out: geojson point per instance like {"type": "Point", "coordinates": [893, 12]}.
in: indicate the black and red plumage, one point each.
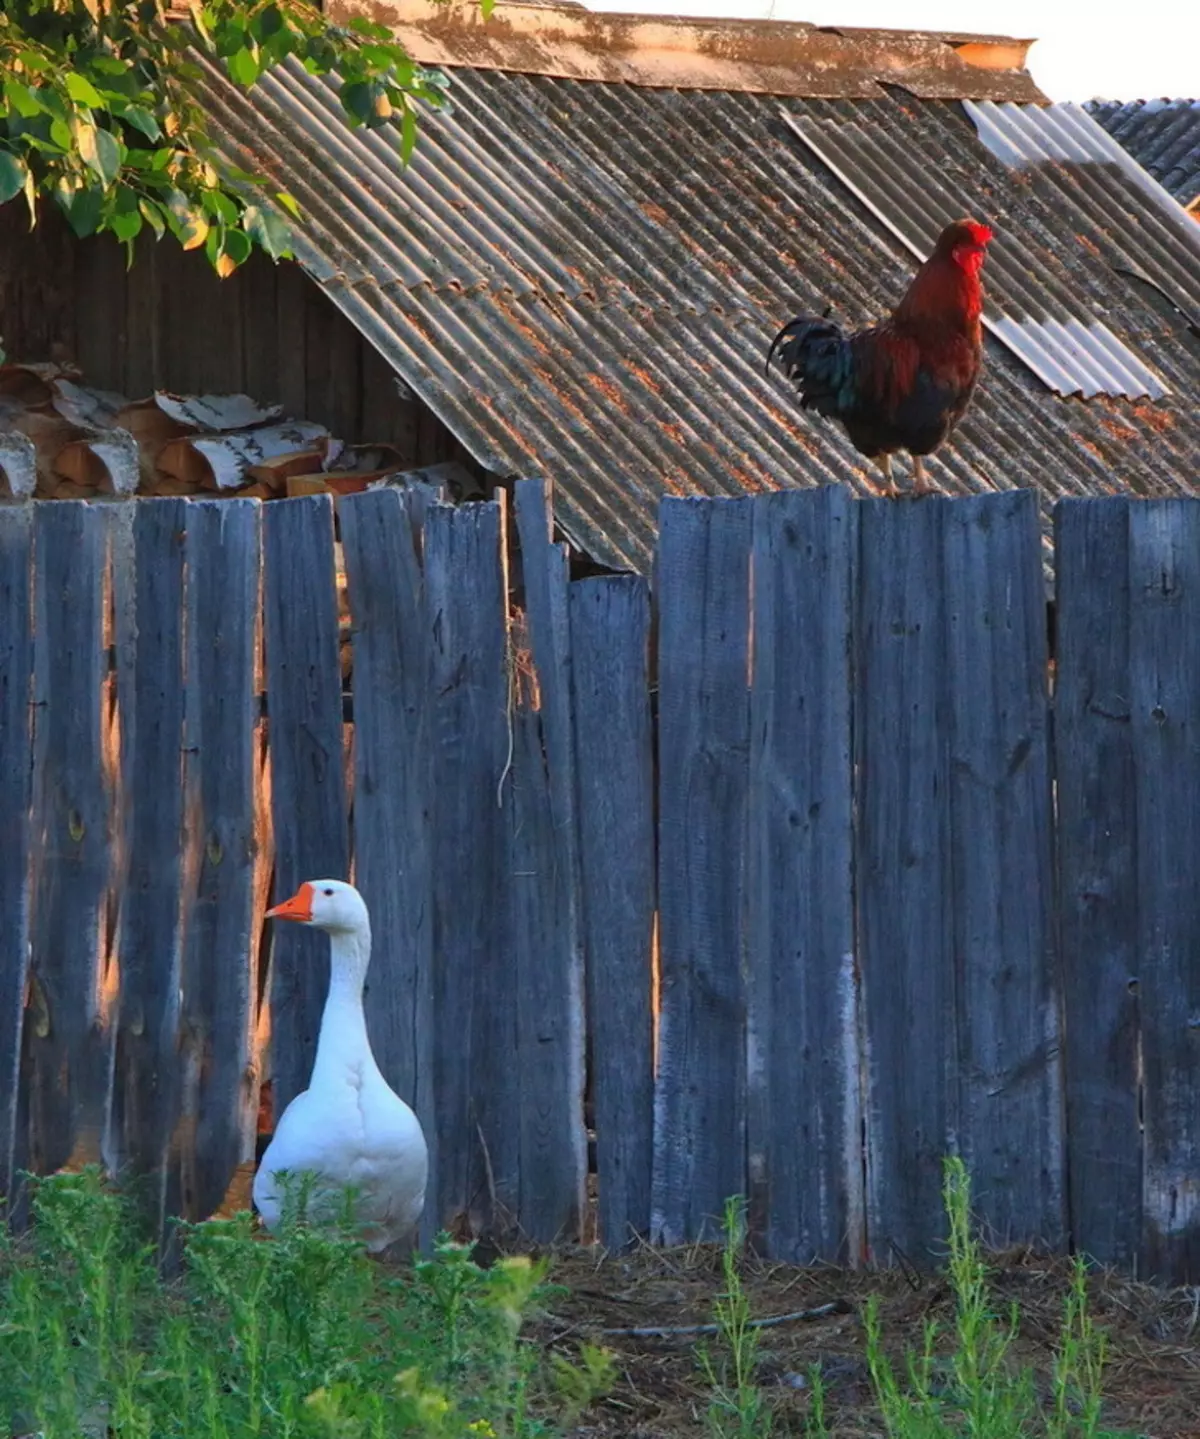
{"type": "Point", "coordinates": [905, 383]}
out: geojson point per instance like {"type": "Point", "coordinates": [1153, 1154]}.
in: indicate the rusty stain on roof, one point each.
{"type": "Point", "coordinates": [769, 57]}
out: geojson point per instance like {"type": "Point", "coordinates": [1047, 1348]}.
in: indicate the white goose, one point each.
{"type": "Point", "coordinates": [348, 1126]}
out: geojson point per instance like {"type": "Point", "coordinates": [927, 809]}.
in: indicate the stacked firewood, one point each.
{"type": "Point", "coordinates": [61, 439]}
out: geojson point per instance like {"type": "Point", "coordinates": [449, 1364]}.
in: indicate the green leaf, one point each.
{"type": "Point", "coordinates": [82, 208]}
{"type": "Point", "coordinates": [60, 134]}
{"type": "Point", "coordinates": [358, 102]}
{"type": "Point", "coordinates": [100, 152]}
{"type": "Point", "coordinates": [142, 120]}
{"type": "Point", "coordinates": [290, 204]}
{"type": "Point", "coordinates": [408, 133]}
{"type": "Point", "coordinates": [243, 67]}
{"type": "Point", "coordinates": [220, 207]}
{"type": "Point", "coordinates": [23, 99]}
{"type": "Point", "coordinates": [82, 91]}
{"type": "Point", "coordinates": [266, 23]}
{"type": "Point", "coordinates": [237, 245]}
{"type": "Point", "coordinates": [188, 226]}
{"type": "Point", "coordinates": [153, 216]}
{"type": "Point", "coordinates": [13, 174]}
{"type": "Point", "coordinates": [126, 226]}
{"type": "Point", "coordinates": [268, 230]}
{"type": "Point", "coordinates": [34, 63]}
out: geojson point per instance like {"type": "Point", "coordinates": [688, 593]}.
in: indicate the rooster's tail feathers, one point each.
{"type": "Point", "coordinates": [816, 357]}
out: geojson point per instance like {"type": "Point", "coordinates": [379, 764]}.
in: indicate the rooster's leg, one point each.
{"type": "Point", "coordinates": [921, 483]}
{"type": "Point", "coordinates": [884, 462]}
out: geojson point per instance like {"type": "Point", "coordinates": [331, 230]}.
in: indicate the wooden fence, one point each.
{"type": "Point", "coordinates": [804, 858]}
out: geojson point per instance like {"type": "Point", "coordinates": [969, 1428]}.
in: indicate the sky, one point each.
{"type": "Point", "coordinates": [1099, 49]}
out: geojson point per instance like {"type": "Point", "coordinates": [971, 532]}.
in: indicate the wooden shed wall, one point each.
{"type": "Point", "coordinates": [170, 323]}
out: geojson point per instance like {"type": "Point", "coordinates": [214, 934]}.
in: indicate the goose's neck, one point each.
{"type": "Point", "coordinates": [343, 1038]}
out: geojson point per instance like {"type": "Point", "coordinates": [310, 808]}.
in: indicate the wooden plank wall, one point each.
{"type": "Point", "coordinates": [879, 940]}
{"type": "Point", "coordinates": [170, 323]}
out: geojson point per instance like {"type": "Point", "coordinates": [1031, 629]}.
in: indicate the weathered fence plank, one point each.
{"type": "Point", "coordinates": [700, 1118]}
{"type": "Point", "coordinates": [308, 795]}
{"type": "Point", "coordinates": [476, 1084]}
{"type": "Point", "coordinates": [802, 1011]}
{"type": "Point", "coordinates": [16, 695]}
{"type": "Point", "coordinates": [151, 684]}
{"type": "Point", "coordinates": [543, 879]}
{"type": "Point", "coordinates": [68, 1032]}
{"type": "Point", "coordinates": [1001, 869]}
{"type": "Point", "coordinates": [393, 786]}
{"type": "Point", "coordinates": [1097, 876]}
{"type": "Point", "coordinates": [220, 951]}
{"type": "Point", "coordinates": [614, 758]}
{"type": "Point", "coordinates": [1164, 592]}
{"type": "Point", "coordinates": [902, 874]}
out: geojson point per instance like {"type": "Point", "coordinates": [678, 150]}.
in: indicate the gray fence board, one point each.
{"type": "Point", "coordinates": [220, 952]}
{"type": "Point", "coordinates": [308, 795]}
{"type": "Point", "coordinates": [904, 936]}
{"type": "Point", "coordinates": [476, 1084]}
{"type": "Point", "coordinates": [802, 1012]}
{"type": "Point", "coordinates": [1001, 875]}
{"type": "Point", "coordinates": [16, 695]}
{"type": "Point", "coordinates": [1164, 589]}
{"type": "Point", "coordinates": [1097, 877]}
{"type": "Point", "coordinates": [703, 599]}
{"type": "Point", "coordinates": [67, 1046]}
{"type": "Point", "coordinates": [393, 794]}
{"type": "Point", "coordinates": [614, 759]}
{"type": "Point", "coordinates": [151, 682]}
{"type": "Point", "coordinates": [544, 880]}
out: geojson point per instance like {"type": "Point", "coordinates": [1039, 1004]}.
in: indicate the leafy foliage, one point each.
{"type": "Point", "coordinates": [301, 1335]}
{"type": "Point", "coordinates": [99, 112]}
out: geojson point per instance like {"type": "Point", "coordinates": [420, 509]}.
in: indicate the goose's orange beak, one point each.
{"type": "Point", "coordinates": [299, 907]}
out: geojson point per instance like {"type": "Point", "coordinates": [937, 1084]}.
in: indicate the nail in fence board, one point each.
{"type": "Point", "coordinates": [151, 682]}
{"type": "Point", "coordinates": [16, 694]}
{"type": "Point", "coordinates": [308, 795]}
{"type": "Point", "coordinates": [703, 599]}
{"type": "Point", "coordinates": [902, 873]}
{"type": "Point", "coordinates": [220, 964]}
{"type": "Point", "coordinates": [1009, 1036]}
{"type": "Point", "coordinates": [1097, 876]}
{"type": "Point", "coordinates": [393, 793]}
{"type": "Point", "coordinates": [802, 1019]}
{"type": "Point", "coordinates": [610, 633]}
{"type": "Point", "coordinates": [543, 878]}
{"type": "Point", "coordinates": [476, 1087]}
{"type": "Point", "coordinates": [67, 1036]}
{"type": "Point", "coordinates": [1164, 592]}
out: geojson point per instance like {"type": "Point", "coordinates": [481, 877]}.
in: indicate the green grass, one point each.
{"type": "Point", "coordinates": [963, 1384]}
{"type": "Point", "coordinates": [303, 1335]}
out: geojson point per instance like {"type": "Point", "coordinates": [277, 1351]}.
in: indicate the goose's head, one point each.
{"type": "Point", "coordinates": [328, 904]}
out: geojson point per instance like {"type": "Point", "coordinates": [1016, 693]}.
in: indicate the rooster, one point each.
{"type": "Point", "coordinates": [903, 384]}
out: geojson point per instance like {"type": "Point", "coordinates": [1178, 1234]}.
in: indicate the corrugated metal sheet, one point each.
{"type": "Point", "coordinates": [910, 190]}
{"type": "Point", "coordinates": [581, 280]}
{"type": "Point", "coordinates": [1163, 136]}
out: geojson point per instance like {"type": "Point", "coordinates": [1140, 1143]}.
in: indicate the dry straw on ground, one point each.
{"type": "Point", "coordinates": [1152, 1381]}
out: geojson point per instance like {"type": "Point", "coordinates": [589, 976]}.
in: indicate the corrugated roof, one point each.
{"type": "Point", "coordinates": [1161, 135]}
{"type": "Point", "coordinates": [581, 279]}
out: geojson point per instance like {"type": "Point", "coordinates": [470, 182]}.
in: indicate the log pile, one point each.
{"type": "Point", "coordinates": [61, 439]}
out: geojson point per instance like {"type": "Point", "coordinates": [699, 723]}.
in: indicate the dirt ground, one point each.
{"type": "Point", "coordinates": [1152, 1385]}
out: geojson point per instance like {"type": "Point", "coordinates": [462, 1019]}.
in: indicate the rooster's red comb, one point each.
{"type": "Point", "coordinates": [981, 234]}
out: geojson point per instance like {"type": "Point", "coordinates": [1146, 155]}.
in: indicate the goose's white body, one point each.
{"type": "Point", "coordinates": [349, 1128]}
